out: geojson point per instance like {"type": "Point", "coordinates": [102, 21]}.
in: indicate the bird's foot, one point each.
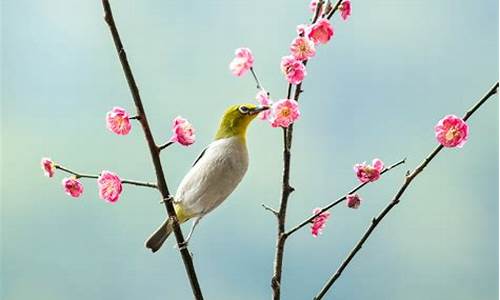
{"type": "Point", "coordinates": [181, 246]}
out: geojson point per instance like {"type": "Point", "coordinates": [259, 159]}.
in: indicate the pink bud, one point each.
{"type": "Point", "coordinates": [353, 201]}
{"type": "Point", "coordinates": [263, 99]}
{"type": "Point", "coordinates": [72, 187]}
{"type": "Point", "coordinates": [321, 31]}
{"type": "Point", "coordinates": [183, 132]}
{"type": "Point", "coordinates": [345, 9]}
{"type": "Point", "coordinates": [294, 69]}
{"type": "Point", "coordinates": [319, 222]}
{"type": "Point", "coordinates": [369, 173]}
{"type": "Point", "coordinates": [242, 61]}
{"type": "Point", "coordinates": [284, 112]}
{"type": "Point", "coordinates": [48, 167]}
{"type": "Point", "coordinates": [110, 186]}
{"type": "Point", "coordinates": [118, 121]}
{"type": "Point", "coordinates": [302, 48]}
{"type": "Point", "coordinates": [451, 131]}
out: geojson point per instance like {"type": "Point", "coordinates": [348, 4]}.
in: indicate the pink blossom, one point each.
{"type": "Point", "coordinates": [242, 61]}
{"type": "Point", "coordinates": [183, 132]}
{"type": "Point", "coordinates": [353, 201]}
{"type": "Point", "coordinates": [321, 31]}
{"type": "Point", "coordinates": [302, 48]}
{"type": "Point", "coordinates": [319, 222]}
{"type": "Point", "coordinates": [294, 69]}
{"type": "Point", "coordinates": [110, 186]}
{"type": "Point", "coordinates": [73, 187]}
{"type": "Point", "coordinates": [284, 112]}
{"type": "Point", "coordinates": [451, 131]}
{"type": "Point", "coordinates": [302, 30]}
{"type": "Point", "coordinates": [48, 167]}
{"type": "Point", "coordinates": [263, 99]}
{"type": "Point", "coordinates": [345, 9]}
{"type": "Point", "coordinates": [369, 173]}
{"type": "Point", "coordinates": [118, 121]}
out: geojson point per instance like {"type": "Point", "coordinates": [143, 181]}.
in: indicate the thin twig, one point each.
{"type": "Point", "coordinates": [408, 179]}
{"type": "Point", "coordinates": [334, 9]}
{"type": "Point", "coordinates": [341, 199]}
{"type": "Point", "coordinates": [259, 85]}
{"type": "Point", "coordinates": [155, 154]}
{"type": "Point", "coordinates": [269, 208]}
{"type": "Point", "coordinates": [161, 147]}
{"type": "Point", "coordinates": [92, 176]}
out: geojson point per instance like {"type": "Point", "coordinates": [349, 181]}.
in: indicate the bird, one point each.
{"type": "Point", "coordinates": [214, 175]}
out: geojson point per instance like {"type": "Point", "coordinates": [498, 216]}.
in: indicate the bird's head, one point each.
{"type": "Point", "coordinates": [236, 119]}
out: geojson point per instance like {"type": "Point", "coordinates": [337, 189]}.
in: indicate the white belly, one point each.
{"type": "Point", "coordinates": [214, 177]}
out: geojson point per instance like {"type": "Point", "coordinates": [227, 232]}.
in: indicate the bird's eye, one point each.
{"type": "Point", "coordinates": [243, 109]}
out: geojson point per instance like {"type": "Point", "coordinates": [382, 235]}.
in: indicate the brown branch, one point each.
{"type": "Point", "coordinates": [286, 188]}
{"type": "Point", "coordinates": [155, 153]}
{"type": "Point", "coordinates": [124, 181]}
{"type": "Point", "coordinates": [340, 200]}
{"type": "Point", "coordinates": [163, 146]}
{"type": "Point", "coordinates": [408, 179]}
{"type": "Point", "coordinates": [334, 9]}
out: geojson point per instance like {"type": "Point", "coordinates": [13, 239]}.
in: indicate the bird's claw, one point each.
{"type": "Point", "coordinates": [181, 246]}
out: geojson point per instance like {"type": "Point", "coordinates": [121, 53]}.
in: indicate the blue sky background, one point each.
{"type": "Point", "coordinates": [390, 73]}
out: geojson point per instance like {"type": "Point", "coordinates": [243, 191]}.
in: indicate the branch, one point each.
{"type": "Point", "coordinates": [408, 179]}
{"type": "Point", "coordinates": [155, 154]}
{"type": "Point", "coordinates": [286, 188]}
{"type": "Point", "coordinates": [334, 9]}
{"type": "Point", "coordinates": [161, 147]}
{"type": "Point", "coordinates": [269, 208]}
{"type": "Point", "coordinates": [331, 205]}
{"type": "Point", "coordinates": [124, 181]}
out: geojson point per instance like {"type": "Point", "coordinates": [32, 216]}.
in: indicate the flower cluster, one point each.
{"type": "Point", "coordinates": [242, 61]}
{"type": "Point", "coordinates": [282, 113]}
{"type": "Point", "coordinates": [183, 132]}
{"type": "Point", "coordinates": [118, 121]}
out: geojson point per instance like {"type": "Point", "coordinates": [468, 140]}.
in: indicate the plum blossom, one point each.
{"type": "Point", "coordinates": [262, 98]}
{"type": "Point", "coordinates": [110, 186]}
{"type": "Point", "coordinates": [72, 186]}
{"type": "Point", "coordinates": [451, 131]}
{"type": "Point", "coordinates": [183, 132]}
{"type": "Point", "coordinates": [345, 9]}
{"type": "Point", "coordinates": [321, 31]}
{"type": "Point", "coordinates": [284, 112]}
{"type": "Point", "coordinates": [48, 167]}
{"type": "Point", "coordinates": [369, 173]}
{"type": "Point", "coordinates": [302, 30]}
{"type": "Point", "coordinates": [312, 5]}
{"type": "Point", "coordinates": [353, 201]}
{"type": "Point", "coordinates": [242, 61]}
{"type": "Point", "coordinates": [319, 222]}
{"type": "Point", "coordinates": [302, 48]}
{"type": "Point", "coordinates": [294, 69]}
{"type": "Point", "coordinates": [118, 121]}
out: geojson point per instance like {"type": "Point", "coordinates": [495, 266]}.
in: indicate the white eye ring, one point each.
{"type": "Point", "coordinates": [243, 109]}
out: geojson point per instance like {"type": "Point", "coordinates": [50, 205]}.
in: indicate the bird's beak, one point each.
{"type": "Point", "coordinates": [259, 109]}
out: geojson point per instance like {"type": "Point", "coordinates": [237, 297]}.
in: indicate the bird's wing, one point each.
{"type": "Point", "coordinates": [199, 156]}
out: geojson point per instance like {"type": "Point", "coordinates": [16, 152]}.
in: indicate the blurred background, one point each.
{"type": "Point", "coordinates": [376, 90]}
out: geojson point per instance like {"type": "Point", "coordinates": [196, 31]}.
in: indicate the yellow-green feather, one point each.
{"type": "Point", "coordinates": [233, 123]}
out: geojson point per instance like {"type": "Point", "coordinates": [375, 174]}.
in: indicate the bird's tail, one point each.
{"type": "Point", "coordinates": [158, 237]}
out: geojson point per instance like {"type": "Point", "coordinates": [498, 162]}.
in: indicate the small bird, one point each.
{"type": "Point", "coordinates": [214, 175]}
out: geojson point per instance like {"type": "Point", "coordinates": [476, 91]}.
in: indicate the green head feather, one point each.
{"type": "Point", "coordinates": [236, 119]}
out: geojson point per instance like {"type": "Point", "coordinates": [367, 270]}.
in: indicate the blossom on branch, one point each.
{"type": "Point", "coordinates": [110, 186]}
{"type": "Point", "coordinates": [302, 48]}
{"type": "Point", "coordinates": [284, 112]}
{"type": "Point", "coordinates": [353, 201]}
{"type": "Point", "coordinates": [183, 132]}
{"type": "Point", "coordinates": [48, 167]}
{"type": "Point", "coordinates": [294, 69]}
{"type": "Point", "coordinates": [118, 121]}
{"type": "Point", "coordinates": [242, 61]}
{"type": "Point", "coordinates": [451, 131]}
{"type": "Point", "coordinates": [321, 31]}
{"type": "Point", "coordinates": [262, 98]}
{"type": "Point", "coordinates": [73, 187]}
{"type": "Point", "coordinates": [369, 173]}
{"type": "Point", "coordinates": [345, 9]}
{"type": "Point", "coordinates": [319, 223]}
